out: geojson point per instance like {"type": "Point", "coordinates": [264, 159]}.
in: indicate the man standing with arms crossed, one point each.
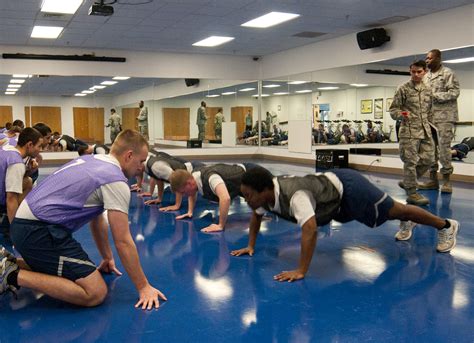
{"type": "Point", "coordinates": [445, 91]}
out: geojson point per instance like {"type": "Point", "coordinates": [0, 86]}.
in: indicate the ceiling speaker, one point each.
{"type": "Point", "coordinates": [372, 38]}
{"type": "Point", "coordinates": [191, 82]}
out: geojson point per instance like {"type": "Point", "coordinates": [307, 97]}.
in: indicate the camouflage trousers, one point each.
{"type": "Point", "coordinates": [417, 156]}
{"type": "Point", "coordinates": [113, 135]}
{"type": "Point", "coordinates": [202, 131]}
{"type": "Point", "coordinates": [443, 143]}
{"type": "Point", "coordinates": [143, 130]}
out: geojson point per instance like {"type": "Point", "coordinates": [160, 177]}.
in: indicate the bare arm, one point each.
{"type": "Point", "coordinates": [13, 201]}
{"type": "Point", "coordinates": [254, 228]}
{"type": "Point", "coordinates": [129, 256]}
{"type": "Point", "coordinates": [308, 244]}
{"type": "Point", "coordinates": [224, 204]}
{"type": "Point", "coordinates": [191, 204]}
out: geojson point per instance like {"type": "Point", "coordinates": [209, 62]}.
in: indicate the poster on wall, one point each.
{"type": "Point", "coordinates": [378, 109]}
{"type": "Point", "coordinates": [366, 106]}
{"type": "Point", "coordinates": [315, 114]}
{"type": "Point", "coordinates": [388, 104]}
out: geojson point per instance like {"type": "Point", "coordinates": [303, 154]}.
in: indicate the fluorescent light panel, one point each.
{"type": "Point", "coordinates": [359, 84]}
{"type": "Point", "coordinates": [281, 93]}
{"type": "Point", "coordinates": [61, 6]}
{"type": "Point", "coordinates": [12, 89]}
{"type": "Point", "coordinates": [21, 76]}
{"type": "Point", "coordinates": [263, 95]}
{"type": "Point", "coordinates": [271, 86]}
{"type": "Point", "coordinates": [10, 93]}
{"type": "Point", "coordinates": [80, 94]}
{"type": "Point", "coordinates": [108, 83]}
{"type": "Point", "coordinates": [14, 86]}
{"type": "Point", "coordinates": [228, 93]}
{"type": "Point", "coordinates": [17, 81]}
{"type": "Point", "coordinates": [88, 92]}
{"type": "Point", "coordinates": [460, 60]}
{"type": "Point", "coordinates": [121, 78]}
{"type": "Point", "coordinates": [246, 89]}
{"type": "Point", "coordinates": [48, 32]}
{"type": "Point", "coordinates": [213, 41]}
{"type": "Point", "coordinates": [270, 19]}
{"type": "Point", "coordinates": [297, 82]}
{"type": "Point", "coordinates": [212, 95]}
{"type": "Point", "coordinates": [330, 88]}
{"type": "Point", "coordinates": [304, 91]}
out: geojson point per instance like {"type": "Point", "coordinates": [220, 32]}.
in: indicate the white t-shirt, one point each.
{"type": "Point", "coordinates": [15, 174]}
{"type": "Point", "coordinates": [113, 196]}
{"type": "Point", "coordinates": [214, 180]}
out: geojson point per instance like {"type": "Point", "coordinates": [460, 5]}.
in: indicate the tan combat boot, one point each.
{"type": "Point", "coordinates": [446, 187]}
{"type": "Point", "coordinates": [432, 184]}
{"type": "Point", "coordinates": [415, 198]}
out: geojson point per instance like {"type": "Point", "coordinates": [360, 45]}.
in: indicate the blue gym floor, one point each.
{"type": "Point", "coordinates": [362, 285]}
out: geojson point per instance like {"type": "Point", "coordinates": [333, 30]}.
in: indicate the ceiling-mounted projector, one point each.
{"type": "Point", "coordinates": [99, 8]}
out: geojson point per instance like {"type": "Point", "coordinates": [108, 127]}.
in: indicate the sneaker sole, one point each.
{"type": "Point", "coordinates": [454, 240]}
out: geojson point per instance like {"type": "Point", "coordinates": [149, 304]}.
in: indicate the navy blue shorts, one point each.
{"type": "Point", "coordinates": [361, 200]}
{"type": "Point", "coordinates": [50, 249]}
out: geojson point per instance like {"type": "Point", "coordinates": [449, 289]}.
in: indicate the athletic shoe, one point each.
{"type": "Point", "coordinates": [6, 268]}
{"type": "Point", "coordinates": [447, 237]}
{"type": "Point", "coordinates": [5, 253]}
{"type": "Point", "coordinates": [406, 230]}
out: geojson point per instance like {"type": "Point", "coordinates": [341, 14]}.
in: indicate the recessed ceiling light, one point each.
{"type": "Point", "coordinates": [263, 95]}
{"type": "Point", "coordinates": [80, 94]}
{"type": "Point", "coordinates": [271, 86]}
{"type": "Point", "coordinates": [213, 41]}
{"type": "Point", "coordinates": [108, 83]}
{"type": "Point", "coordinates": [14, 86]}
{"type": "Point", "coordinates": [297, 82]}
{"type": "Point", "coordinates": [246, 89]}
{"type": "Point", "coordinates": [281, 93]}
{"type": "Point", "coordinates": [61, 6]}
{"type": "Point", "coordinates": [270, 19]}
{"type": "Point", "coordinates": [328, 88]}
{"type": "Point", "coordinates": [228, 93]}
{"type": "Point", "coordinates": [304, 91]}
{"type": "Point", "coordinates": [21, 76]}
{"type": "Point", "coordinates": [460, 60]}
{"type": "Point", "coordinates": [88, 92]}
{"type": "Point", "coordinates": [10, 93]}
{"type": "Point", "coordinates": [99, 87]}
{"type": "Point", "coordinates": [212, 95]}
{"type": "Point", "coordinates": [12, 89]}
{"type": "Point", "coordinates": [17, 81]}
{"type": "Point", "coordinates": [49, 32]}
{"type": "Point", "coordinates": [359, 84]}
{"type": "Point", "coordinates": [121, 78]}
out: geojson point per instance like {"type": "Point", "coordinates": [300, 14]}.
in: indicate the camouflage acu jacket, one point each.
{"type": "Point", "coordinates": [445, 91]}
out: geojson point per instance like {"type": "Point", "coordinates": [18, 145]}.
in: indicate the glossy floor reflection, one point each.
{"type": "Point", "coordinates": [362, 285]}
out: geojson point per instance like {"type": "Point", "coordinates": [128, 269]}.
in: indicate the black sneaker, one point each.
{"type": "Point", "coordinates": [6, 268]}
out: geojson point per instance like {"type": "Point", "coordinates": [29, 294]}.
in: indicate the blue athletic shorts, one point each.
{"type": "Point", "coordinates": [50, 249]}
{"type": "Point", "coordinates": [361, 200]}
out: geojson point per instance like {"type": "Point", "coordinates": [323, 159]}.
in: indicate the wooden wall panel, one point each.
{"type": "Point", "coordinates": [237, 114]}
{"type": "Point", "coordinates": [6, 115]}
{"type": "Point", "coordinates": [176, 123]}
{"type": "Point", "coordinates": [50, 115]}
{"type": "Point", "coordinates": [129, 118]}
{"type": "Point", "coordinates": [89, 124]}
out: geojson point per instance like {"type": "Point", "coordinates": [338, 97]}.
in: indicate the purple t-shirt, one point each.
{"type": "Point", "coordinates": [60, 198]}
{"type": "Point", "coordinates": [7, 158]}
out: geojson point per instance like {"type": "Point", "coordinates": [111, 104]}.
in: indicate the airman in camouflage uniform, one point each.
{"type": "Point", "coordinates": [445, 91]}
{"type": "Point", "coordinates": [218, 119]}
{"type": "Point", "coordinates": [114, 124]}
{"type": "Point", "coordinates": [412, 104]}
{"type": "Point", "coordinates": [143, 120]}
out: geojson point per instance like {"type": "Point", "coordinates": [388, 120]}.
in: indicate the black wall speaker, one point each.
{"type": "Point", "coordinates": [372, 38]}
{"type": "Point", "coordinates": [191, 82]}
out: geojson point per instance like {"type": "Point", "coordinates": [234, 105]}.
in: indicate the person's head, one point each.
{"type": "Point", "coordinates": [45, 131]}
{"type": "Point", "coordinates": [321, 126]}
{"type": "Point", "coordinates": [112, 111]}
{"type": "Point", "coordinates": [85, 150]}
{"type": "Point", "coordinates": [141, 104]}
{"type": "Point", "coordinates": [219, 110]}
{"type": "Point", "coordinates": [203, 103]}
{"type": "Point", "coordinates": [14, 130]}
{"type": "Point", "coordinates": [345, 127]}
{"type": "Point", "coordinates": [19, 123]}
{"type": "Point", "coordinates": [181, 181]}
{"type": "Point", "coordinates": [8, 125]}
{"type": "Point", "coordinates": [131, 150]}
{"type": "Point", "coordinates": [433, 59]}
{"type": "Point", "coordinates": [369, 124]}
{"type": "Point", "coordinates": [417, 70]}
{"type": "Point", "coordinates": [257, 187]}
{"type": "Point", "coordinates": [56, 135]}
{"type": "Point", "coordinates": [30, 140]}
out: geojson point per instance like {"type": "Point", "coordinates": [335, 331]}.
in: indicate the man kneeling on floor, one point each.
{"type": "Point", "coordinates": [343, 195]}
{"type": "Point", "coordinates": [53, 262]}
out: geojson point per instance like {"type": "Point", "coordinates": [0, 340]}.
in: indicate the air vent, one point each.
{"type": "Point", "coordinates": [309, 34]}
{"type": "Point", "coordinates": [53, 15]}
{"type": "Point", "coordinates": [388, 20]}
